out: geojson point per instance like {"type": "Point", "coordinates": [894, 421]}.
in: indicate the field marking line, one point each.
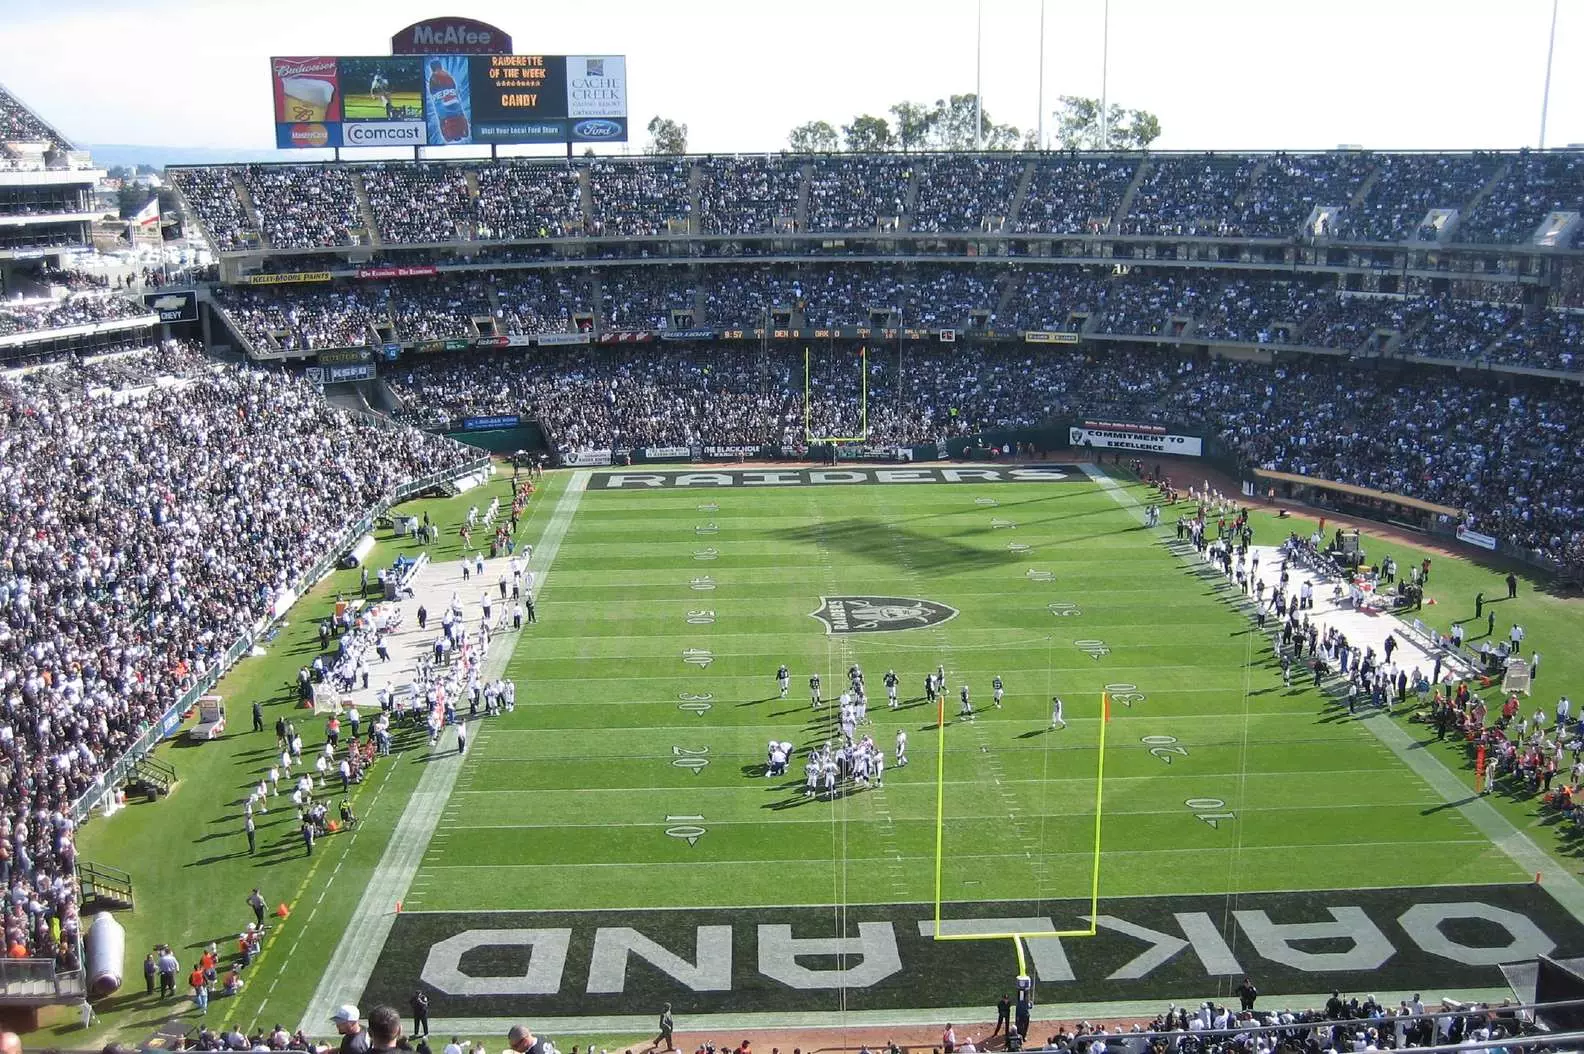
{"type": "Point", "coordinates": [885, 816]}
{"type": "Point", "coordinates": [1557, 879]}
{"type": "Point", "coordinates": [352, 963]}
{"type": "Point", "coordinates": [949, 783]}
{"type": "Point", "coordinates": [1087, 854]}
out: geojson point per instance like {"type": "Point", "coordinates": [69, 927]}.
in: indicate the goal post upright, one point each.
{"type": "Point", "coordinates": [1018, 939]}
{"type": "Point", "coordinates": [863, 401]}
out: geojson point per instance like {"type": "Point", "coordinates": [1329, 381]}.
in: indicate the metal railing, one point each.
{"type": "Point", "coordinates": [117, 773]}
{"type": "Point", "coordinates": [36, 981]}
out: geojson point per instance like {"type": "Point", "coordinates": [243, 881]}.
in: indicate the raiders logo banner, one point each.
{"type": "Point", "coordinates": [880, 614]}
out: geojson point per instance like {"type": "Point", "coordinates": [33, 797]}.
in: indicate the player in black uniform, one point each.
{"type": "Point", "coordinates": [929, 687]}
{"type": "Point", "coordinates": [967, 707]}
{"type": "Point", "coordinates": [996, 688]}
{"type": "Point", "coordinates": [783, 679]}
{"type": "Point", "coordinates": [891, 681]}
{"type": "Point", "coordinates": [814, 691]}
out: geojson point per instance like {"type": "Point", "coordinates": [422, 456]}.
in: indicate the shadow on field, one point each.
{"type": "Point", "coordinates": [898, 546]}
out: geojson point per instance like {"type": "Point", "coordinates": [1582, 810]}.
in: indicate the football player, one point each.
{"type": "Point", "coordinates": [967, 708]}
{"type": "Point", "coordinates": [1057, 721]}
{"type": "Point", "coordinates": [783, 679]}
{"type": "Point", "coordinates": [901, 748]}
{"type": "Point", "coordinates": [996, 687]}
{"type": "Point", "coordinates": [891, 688]}
{"type": "Point", "coordinates": [814, 691]}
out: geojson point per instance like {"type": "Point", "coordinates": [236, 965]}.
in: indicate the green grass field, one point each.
{"type": "Point", "coordinates": [365, 107]}
{"type": "Point", "coordinates": [619, 837]}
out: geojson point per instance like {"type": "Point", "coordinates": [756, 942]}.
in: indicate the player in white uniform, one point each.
{"type": "Point", "coordinates": [783, 680]}
{"type": "Point", "coordinates": [997, 689]}
{"type": "Point", "coordinates": [828, 769]}
{"type": "Point", "coordinates": [1057, 721]}
{"type": "Point", "coordinates": [848, 720]}
{"type": "Point", "coordinates": [901, 748]}
{"type": "Point", "coordinates": [877, 764]}
{"type": "Point", "coordinates": [891, 688]}
{"type": "Point", "coordinates": [775, 760]}
{"type": "Point", "coordinates": [811, 775]}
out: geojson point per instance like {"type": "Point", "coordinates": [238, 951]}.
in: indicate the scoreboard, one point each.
{"type": "Point", "coordinates": [447, 99]}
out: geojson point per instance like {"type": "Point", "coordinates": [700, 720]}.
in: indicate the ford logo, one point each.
{"type": "Point", "coordinates": [596, 129]}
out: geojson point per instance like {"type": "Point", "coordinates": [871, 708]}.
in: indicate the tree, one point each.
{"type": "Point", "coordinates": [813, 137]}
{"type": "Point", "coordinates": [1078, 126]}
{"type": "Point", "coordinates": [1144, 127]}
{"type": "Point", "coordinates": [913, 122]}
{"type": "Point", "coordinates": [867, 135]}
{"type": "Point", "coordinates": [952, 126]}
{"type": "Point", "coordinates": [666, 137]}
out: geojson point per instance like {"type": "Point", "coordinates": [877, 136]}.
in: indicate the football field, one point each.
{"type": "Point", "coordinates": [616, 842]}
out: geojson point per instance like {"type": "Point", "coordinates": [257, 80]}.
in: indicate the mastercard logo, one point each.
{"type": "Point", "coordinates": [310, 135]}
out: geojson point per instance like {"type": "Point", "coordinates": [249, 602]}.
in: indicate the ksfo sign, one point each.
{"type": "Point", "coordinates": [451, 36]}
{"type": "Point", "coordinates": [886, 958]}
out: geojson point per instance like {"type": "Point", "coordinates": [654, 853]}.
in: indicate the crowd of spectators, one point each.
{"type": "Point", "coordinates": [748, 195]}
{"type": "Point", "coordinates": [639, 198]}
{"type": "Point", "coordinates": [1257, 312]}
{"type": "Point", "coordinates": [859, 193]}
{"type": "Point", "coordinates": [18, 124]}
{"type": "Point", "coordinates": [145, 530]}
{"type": "Point", "coordinates": [523, 199]}
{"type": "Point", "coordinates": [420, 203]}
{"type": "Point", "coordinates": [212, 193]}
{"type": "Point", "coordinates": [303, 319]}
{"type": "Point", "coordinates": [965, 193]}
{"type": "Point", "coordinates": [642, 298]}
{"type": "Point", "coordinates": [1458, 329]}
{"type": "Point", "coordinates": [1550, 340]}
{"type": "Point", "coordinates": [1407, 187]}
{"type": "Point", "coordinates": [1503, 454]}
{"type": "Point", "coordinates": [1289, 186]}
{"type": "Point", "coordinates": [80, 309]}
{"type": "Point", "coordinates": [304, 206]}
{"type": "Point", "coordinates": [1068, 194]}
{"type": "Point", "coordinates": [1154, 302]}
{"type": "Point", "coordinates": [1533, 186]}
{"type": "Point", "coordinates": [1191, 195]}
{"type": "Point", "coordinates": [1231, 195]}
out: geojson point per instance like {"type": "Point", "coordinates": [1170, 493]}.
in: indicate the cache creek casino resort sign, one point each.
{"type": "Point", "coordinates": [448, 82]}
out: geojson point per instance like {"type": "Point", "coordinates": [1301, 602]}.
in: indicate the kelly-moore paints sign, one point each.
{"type": "Point", "coordinates": [805, 477]}
{"type": "Point", "coordinates": [884, 956]}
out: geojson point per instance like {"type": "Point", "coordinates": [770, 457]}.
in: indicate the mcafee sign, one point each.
{"type": "Point", "coordinates": [451, 36]}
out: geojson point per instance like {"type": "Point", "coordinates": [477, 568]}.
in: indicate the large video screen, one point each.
{"type": "Point", "coordinates": [448, 100]}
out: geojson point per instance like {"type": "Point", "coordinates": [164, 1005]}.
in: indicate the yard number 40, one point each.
{"type": "Point", "coordinates": [1212, 818]}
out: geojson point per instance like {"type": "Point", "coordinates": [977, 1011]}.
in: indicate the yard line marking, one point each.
{"type": "Point", "coordinates": [364, 937]}
{"type": "Point", "coordinates": [885, 816]}
{"type": "Point", "coordinates": [1557, 880]}
{"type": "Point", "coordinates": [1086, 854]}
{"type": "Point", "coordinates": [1158, 778]}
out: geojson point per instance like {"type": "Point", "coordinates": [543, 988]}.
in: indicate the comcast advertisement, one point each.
{"type": "Point", "coordinates": [442, 100]}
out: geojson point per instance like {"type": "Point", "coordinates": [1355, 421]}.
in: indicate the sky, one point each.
{"type": "Point", "coordinates": [1220, 74]}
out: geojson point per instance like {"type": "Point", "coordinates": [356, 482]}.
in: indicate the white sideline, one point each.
{"type": "Point", "coordinates": [352, 964]}
{"type": "Point", "coordinates": [1557, 880]}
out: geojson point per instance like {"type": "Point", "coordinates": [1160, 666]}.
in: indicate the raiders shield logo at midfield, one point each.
{"type": "Point", "coordinates": [880, 614]}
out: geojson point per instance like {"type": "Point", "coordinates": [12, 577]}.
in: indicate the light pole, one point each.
{"type": "Point", "coordinates": [1545, 96]}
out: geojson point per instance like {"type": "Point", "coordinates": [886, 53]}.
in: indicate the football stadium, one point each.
{"type": "Point", "coordinates": [936, 590]}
